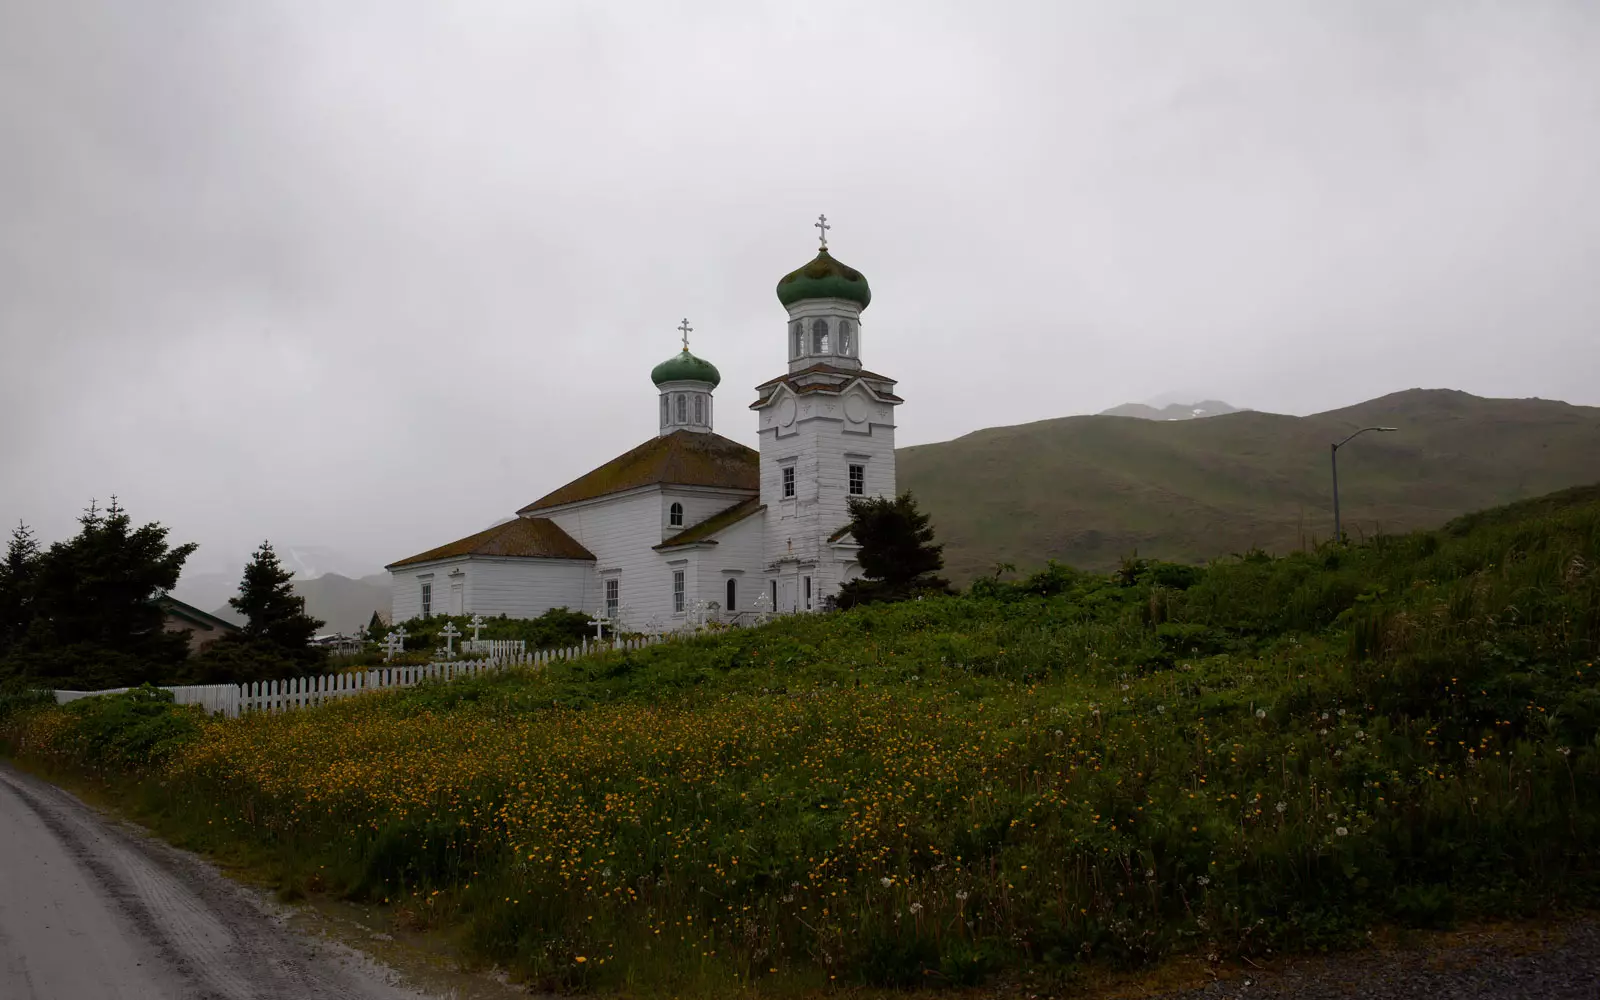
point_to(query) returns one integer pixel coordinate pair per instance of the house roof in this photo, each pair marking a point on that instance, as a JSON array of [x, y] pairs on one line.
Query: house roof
[[703, 531], [525, 537], [682, 458], [189, 613]]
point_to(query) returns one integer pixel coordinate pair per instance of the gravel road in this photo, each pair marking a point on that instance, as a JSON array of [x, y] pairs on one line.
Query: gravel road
[[1527, 962], [92, 909]]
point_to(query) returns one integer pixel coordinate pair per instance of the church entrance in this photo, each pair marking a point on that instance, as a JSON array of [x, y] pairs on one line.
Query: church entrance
[[786, 595], [458, 590]]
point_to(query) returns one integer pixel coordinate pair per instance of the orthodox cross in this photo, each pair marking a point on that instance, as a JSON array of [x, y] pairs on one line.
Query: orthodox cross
[[600, 623], [448, 634], [686, 329], [477, 626], [822, 226], [394, 643]]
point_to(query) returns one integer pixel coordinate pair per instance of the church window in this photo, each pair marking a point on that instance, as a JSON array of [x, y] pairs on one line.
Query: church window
[[675, 515], [788, 481], [666, 414], [819, 337], [683, 408], [846, 338], [427, 599], [797, 340], [808, 593], [858, 479], [677, 592], [774, 595], [613, 598], [699, 409], [733, 594]]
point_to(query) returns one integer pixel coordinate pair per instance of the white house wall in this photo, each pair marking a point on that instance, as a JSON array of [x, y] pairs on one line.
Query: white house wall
[[518, 588], [697, 506], [737, 554]]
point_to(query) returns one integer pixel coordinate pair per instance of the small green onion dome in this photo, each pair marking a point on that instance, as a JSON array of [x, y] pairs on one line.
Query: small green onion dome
[[685, 367], [824, 278]]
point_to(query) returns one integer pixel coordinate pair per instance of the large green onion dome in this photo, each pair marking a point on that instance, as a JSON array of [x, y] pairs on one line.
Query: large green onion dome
[[685, 367], [824, 278]]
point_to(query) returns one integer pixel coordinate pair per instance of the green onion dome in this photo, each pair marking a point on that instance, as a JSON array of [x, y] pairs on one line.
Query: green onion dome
[[685, 367], [824, 278]]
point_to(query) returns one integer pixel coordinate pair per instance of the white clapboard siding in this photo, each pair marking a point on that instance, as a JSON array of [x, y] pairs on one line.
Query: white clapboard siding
[[305, 692]]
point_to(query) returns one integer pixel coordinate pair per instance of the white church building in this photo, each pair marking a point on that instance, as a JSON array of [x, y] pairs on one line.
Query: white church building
[[690, 520]]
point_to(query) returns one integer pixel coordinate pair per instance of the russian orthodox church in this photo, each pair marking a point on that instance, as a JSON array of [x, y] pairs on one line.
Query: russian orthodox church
[[690, 523]]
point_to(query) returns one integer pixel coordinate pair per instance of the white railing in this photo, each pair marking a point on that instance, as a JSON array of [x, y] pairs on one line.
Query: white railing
[[303, 692], [494, 647]]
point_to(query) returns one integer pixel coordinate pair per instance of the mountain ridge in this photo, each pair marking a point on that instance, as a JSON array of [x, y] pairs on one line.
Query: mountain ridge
[[1090, 490]]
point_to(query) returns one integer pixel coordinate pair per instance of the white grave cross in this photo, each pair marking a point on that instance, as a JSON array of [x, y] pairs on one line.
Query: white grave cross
[[394, 643], [477, 624], [449, 634]]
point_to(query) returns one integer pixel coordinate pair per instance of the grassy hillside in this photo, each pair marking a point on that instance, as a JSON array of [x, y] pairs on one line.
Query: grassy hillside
[[1021, 782], [1089, 490]]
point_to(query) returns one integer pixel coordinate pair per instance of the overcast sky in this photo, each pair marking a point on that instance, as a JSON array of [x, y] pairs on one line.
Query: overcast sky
[[372, 275]]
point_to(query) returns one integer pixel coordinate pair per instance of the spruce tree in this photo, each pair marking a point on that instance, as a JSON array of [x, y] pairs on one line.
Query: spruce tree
[[92, 620], [898, 555], [276, 615], [376, 629], [17, 582]]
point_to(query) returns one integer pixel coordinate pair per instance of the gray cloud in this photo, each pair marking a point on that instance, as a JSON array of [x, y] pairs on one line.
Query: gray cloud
[[373, 274]]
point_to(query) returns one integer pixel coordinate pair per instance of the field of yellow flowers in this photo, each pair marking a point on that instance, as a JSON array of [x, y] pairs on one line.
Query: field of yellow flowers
[[1262, 755]]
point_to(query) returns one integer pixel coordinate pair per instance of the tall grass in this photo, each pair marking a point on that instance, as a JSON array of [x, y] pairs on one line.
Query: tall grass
[[1263, 754]]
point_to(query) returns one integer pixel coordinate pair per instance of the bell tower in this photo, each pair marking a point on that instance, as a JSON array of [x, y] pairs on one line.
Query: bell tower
[[827, 433], [685, 383]]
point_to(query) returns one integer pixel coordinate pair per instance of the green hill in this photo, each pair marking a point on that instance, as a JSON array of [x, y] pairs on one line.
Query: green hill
[[1089, 490]]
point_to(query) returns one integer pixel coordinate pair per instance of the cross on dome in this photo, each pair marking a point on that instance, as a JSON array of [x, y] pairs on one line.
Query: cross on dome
[[821, 225], [686, 330]]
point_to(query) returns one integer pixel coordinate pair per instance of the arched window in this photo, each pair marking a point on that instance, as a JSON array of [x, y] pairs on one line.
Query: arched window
[[666, 415], [675, 515], [733, 590], [683, 409], [847, 338], [797, 340], [819, 337], [699, 409]]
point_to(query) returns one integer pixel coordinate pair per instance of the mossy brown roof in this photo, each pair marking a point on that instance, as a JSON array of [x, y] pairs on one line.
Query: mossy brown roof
[[682, 458], [531, 537], [716, 522]]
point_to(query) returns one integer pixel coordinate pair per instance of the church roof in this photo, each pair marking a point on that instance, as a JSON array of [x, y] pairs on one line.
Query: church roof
[[685, 367], [826, 378], [528, 537], [824, 278], [682, 458], [703, 531]]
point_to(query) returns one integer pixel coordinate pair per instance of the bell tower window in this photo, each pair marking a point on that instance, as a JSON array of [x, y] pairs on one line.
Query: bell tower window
[[699, 409], [797, 340], [847, 339], [666, 414], [683, 408], [819, 337], [675, 516]]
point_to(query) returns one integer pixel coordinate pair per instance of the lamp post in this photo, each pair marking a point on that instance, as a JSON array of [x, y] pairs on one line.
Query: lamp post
[[1338, 533]]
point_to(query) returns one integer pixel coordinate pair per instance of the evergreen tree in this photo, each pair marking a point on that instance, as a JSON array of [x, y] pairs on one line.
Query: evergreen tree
[[92, 620], [276, 615], [898, 555], [17, 583], [376, 629]]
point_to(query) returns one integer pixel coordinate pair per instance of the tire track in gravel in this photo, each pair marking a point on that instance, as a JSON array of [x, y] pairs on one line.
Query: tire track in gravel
[[93, 904]]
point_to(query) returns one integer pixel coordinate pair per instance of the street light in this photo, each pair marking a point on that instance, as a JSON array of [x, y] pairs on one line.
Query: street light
[[1338, 534]]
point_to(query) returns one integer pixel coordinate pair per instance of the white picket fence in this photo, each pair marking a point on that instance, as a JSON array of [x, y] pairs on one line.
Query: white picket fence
[[494, 647], [303, 692]]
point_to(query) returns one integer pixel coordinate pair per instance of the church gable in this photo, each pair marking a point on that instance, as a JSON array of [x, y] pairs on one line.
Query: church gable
[[680, 458]]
